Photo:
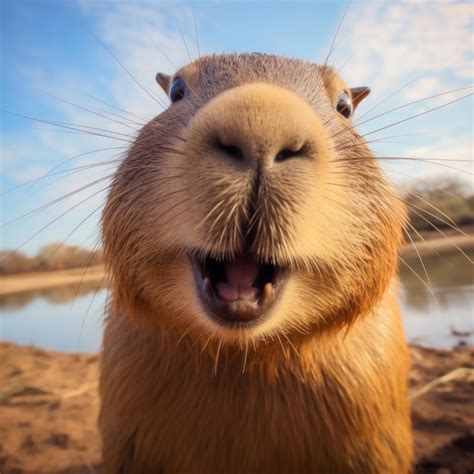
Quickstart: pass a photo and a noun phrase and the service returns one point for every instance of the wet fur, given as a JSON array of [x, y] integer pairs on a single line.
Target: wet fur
[[321, 385]]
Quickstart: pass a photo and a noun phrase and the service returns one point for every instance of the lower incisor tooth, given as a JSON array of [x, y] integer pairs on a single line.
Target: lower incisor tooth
[[207, 286], [268, 290]]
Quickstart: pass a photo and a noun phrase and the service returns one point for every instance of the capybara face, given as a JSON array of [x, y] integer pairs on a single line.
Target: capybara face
[[251, 208]]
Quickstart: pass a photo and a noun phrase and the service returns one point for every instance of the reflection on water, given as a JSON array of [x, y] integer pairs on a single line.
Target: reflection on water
[[65, 318], [70, 319], [434, 313], [57, 295]]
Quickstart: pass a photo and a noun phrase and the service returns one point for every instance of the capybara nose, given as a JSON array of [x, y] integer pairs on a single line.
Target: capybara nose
[[235, 152], [257, 125]]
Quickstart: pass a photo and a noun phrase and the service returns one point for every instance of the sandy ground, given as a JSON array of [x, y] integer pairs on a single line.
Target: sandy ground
[[35, 281], [49, 407]]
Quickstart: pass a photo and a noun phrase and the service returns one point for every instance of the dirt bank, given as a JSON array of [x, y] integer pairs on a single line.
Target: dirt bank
[[22, 282], [49, 407], [434, 243]]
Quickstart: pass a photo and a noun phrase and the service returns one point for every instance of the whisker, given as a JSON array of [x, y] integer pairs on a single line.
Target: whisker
[[184, 41], [132, 114], [140, 124], [291, 344], [206, 343], [376, 140], [358, 124], [173, 112], [413, 193], [372, 176], [130, 75], [421, 261], [245, 356], [63, 242], [424, 180], [163, 53], [53, 221], [74, 127], [444, 235], [50, 172], [85, 109], [217, 356], [196, 34], [285, 354], [57, 200], [96, 291], [186, 332], [64, 174], [95, 248], [339, 26], [418, 277], [415, 209], [397, 91], [446, 223], [434, 161], [398, 122]]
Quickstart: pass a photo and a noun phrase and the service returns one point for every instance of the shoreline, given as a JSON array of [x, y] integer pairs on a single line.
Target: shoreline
[[25, 282], [453, 242]]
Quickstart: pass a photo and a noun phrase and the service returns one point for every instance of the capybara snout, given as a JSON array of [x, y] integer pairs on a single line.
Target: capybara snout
[[259, 126]]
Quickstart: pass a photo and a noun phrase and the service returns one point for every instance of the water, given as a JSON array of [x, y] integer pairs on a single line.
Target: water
[[440, 314], [66, 319], [62, 318]]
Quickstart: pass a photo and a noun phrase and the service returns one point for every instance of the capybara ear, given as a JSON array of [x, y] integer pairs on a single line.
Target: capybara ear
[[164, 80], [358, 94]]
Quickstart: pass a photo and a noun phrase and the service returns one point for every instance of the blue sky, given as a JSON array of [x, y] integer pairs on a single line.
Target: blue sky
[[47, 49]]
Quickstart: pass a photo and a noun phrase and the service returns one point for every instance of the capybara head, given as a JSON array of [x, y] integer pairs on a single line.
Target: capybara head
[[251, 208]]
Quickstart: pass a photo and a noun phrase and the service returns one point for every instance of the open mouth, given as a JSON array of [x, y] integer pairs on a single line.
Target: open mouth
[[238, 292]]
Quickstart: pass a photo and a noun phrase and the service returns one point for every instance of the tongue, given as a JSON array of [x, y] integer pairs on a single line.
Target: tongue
[[242, 273], [240, 277]]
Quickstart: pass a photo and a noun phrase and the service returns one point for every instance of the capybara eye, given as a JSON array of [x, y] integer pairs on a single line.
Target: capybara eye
[[177, 90], [344, 104]]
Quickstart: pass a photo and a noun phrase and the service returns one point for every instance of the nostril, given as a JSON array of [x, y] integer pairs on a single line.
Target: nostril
[[230, 150], [283, 155], [286, 153]]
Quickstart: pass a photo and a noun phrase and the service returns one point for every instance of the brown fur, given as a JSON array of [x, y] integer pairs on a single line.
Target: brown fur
[[321, 384]]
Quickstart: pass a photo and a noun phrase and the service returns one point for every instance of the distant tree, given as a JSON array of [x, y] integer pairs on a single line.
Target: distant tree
[[442, 203], [54, 256], [15, 262]]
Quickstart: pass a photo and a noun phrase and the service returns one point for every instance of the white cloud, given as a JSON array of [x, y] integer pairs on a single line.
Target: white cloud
[[132, 32], [396, 42], [28, 173], [449, 157], [450, 154]]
